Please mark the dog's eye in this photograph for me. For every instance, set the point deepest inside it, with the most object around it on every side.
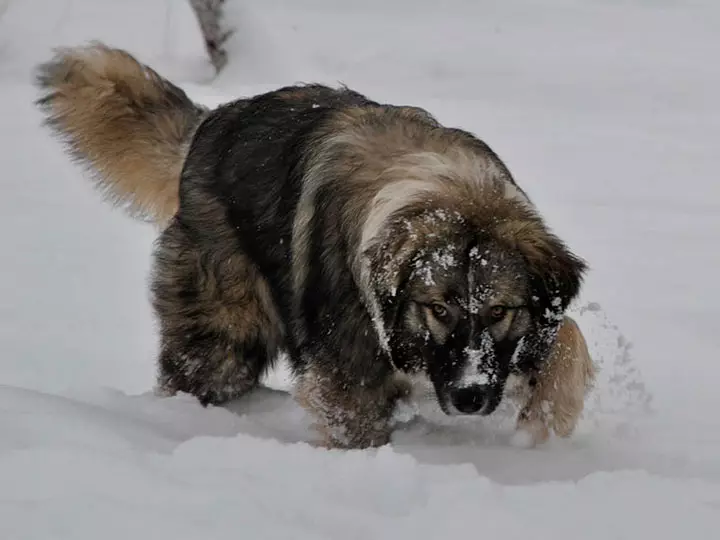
(497, 313)
(439, 311)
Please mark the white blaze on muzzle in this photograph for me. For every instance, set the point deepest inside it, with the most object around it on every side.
(479, 366)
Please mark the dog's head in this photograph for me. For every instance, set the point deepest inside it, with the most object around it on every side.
(461, 297)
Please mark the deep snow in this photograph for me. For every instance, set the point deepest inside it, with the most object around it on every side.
(604, 110)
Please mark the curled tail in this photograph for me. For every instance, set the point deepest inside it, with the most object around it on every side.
(126, 124)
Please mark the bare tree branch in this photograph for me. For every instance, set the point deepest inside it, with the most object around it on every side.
(210, 16)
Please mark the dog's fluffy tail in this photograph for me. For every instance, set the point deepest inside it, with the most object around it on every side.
(123, 122)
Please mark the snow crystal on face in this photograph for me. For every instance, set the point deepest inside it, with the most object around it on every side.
(477, 301)
(446, 259)
(478, 378)
(425, 272)
(479, 363)
(478, 293)
(556, 316)
(437, 260)
(517, 352)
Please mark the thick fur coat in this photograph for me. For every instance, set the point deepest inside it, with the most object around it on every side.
(365, 240)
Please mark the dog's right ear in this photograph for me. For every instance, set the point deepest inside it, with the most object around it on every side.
(388, 262)
(389, 271)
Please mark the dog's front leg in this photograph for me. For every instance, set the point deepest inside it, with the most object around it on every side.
(555, 396)
(351, 415)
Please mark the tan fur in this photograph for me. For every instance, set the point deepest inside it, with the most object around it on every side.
(424, 160)
(348, 139)
(122, 121)
(455, 199)
(558, 398)
(233, 301)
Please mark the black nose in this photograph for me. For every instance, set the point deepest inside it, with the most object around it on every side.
(469, 399)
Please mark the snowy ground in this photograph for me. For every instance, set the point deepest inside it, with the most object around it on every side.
(606, 111)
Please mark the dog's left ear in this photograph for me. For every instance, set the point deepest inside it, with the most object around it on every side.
(555, 278)
(556, 273)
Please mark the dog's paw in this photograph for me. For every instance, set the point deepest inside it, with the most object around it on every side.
(523, 438)
(404, 412)
(530, 432)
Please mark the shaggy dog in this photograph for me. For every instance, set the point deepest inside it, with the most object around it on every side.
(364, 240)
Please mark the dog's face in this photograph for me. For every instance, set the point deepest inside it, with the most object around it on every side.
(464, 304)
(464, 311)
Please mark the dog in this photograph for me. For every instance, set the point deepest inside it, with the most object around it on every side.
(364, 240)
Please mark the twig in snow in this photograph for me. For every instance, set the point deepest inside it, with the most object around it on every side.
(210, 16)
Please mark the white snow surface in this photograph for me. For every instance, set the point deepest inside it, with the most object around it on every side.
(605, 111)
